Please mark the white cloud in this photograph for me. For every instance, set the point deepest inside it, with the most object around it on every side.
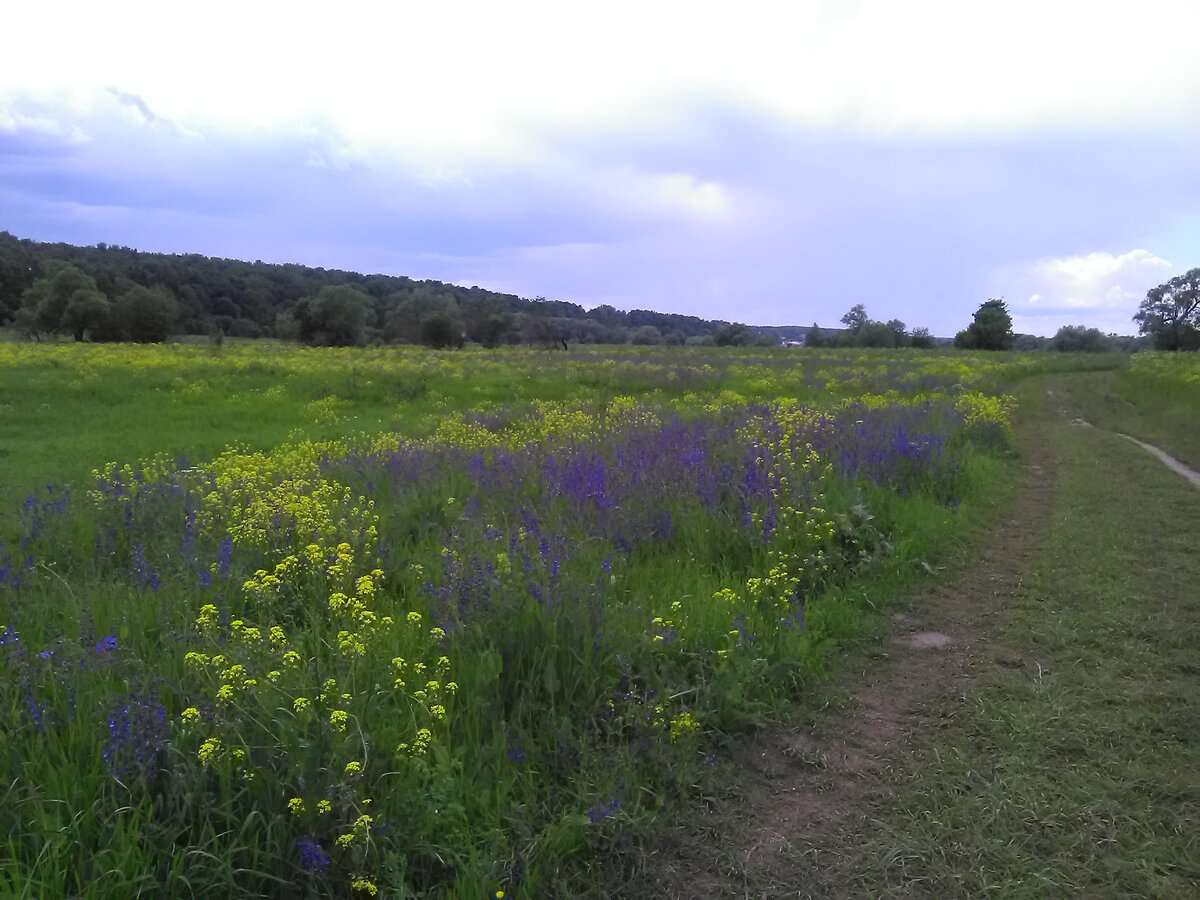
(703, 198)
(14, 122)
(1098, 289)
(1102, 279)
(479, 79)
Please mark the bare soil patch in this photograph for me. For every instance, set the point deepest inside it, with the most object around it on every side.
(791, 826)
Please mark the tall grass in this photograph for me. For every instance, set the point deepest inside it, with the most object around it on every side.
(471, 655)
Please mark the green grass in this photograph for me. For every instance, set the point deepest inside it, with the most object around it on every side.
(1074, 773)
(561, 709)
(1139, 401)
(66, 409)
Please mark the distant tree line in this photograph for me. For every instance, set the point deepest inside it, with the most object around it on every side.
(991, 329)
(863, 331)
(108, 293)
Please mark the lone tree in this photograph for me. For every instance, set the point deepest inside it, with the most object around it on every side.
(856, 319)
(990, 330)
(1171, 313)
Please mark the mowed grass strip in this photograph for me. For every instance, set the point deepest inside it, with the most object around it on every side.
(1155, 401)
(1070, 767)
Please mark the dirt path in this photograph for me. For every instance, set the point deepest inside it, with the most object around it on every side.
(808, 788)
(1166, 459)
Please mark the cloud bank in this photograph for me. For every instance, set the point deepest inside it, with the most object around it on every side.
(777, 166)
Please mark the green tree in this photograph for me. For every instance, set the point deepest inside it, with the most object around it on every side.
(540, 327)
(921, 339)
(336, 317)
(863, 331)
(17, 270)
(25, 324)
(814, 338)
(1080, 339)
(645, 335)
(487, 322)
(89, 314)
(873, 334)
(732, 334)
(441, 330)
(856, 319)
(1171, 313)
(147, 315)
(48, 298)
(287, 328)
(991, 328)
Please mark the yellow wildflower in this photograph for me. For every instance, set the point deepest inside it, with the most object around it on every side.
(208, 750)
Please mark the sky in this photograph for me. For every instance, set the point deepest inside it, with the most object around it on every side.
(768, 163)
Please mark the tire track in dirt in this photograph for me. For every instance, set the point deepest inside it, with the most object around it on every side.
(808, 786)
(1158, 453)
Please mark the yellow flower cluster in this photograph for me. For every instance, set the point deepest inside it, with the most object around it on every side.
(354, 611)
(325, 411)
(1181, 369)
(272, 499)
(357, 834)
(133, 478)
(546, 421)
(662, 626)
(798, 556)
(427, 695)
(209, 751)
(233, 677)
(639, 714)
(683, 726)
(983, 410)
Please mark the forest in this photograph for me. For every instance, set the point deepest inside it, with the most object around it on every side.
(106, 293)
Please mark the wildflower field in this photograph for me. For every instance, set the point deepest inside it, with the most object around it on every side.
(298, 622)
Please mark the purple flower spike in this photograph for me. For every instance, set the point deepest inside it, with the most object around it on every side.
(312, 855)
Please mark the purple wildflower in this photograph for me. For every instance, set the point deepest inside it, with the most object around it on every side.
(600, 813)
(137, 730)
(312, 855)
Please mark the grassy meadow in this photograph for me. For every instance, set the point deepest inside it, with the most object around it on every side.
(1069, 768)
(308, 622)
(1153, 398)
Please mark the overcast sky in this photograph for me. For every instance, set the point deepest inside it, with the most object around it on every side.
(772, 163)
